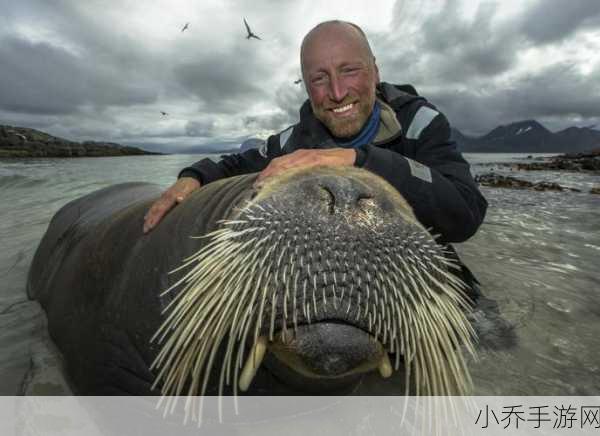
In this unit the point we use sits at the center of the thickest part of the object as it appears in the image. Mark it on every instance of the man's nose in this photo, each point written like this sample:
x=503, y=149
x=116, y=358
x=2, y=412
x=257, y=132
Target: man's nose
x=337, y=89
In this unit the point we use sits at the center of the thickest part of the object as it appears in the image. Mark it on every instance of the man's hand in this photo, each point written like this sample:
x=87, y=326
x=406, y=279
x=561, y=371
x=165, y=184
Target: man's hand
x=305, y=158
x=169, y=199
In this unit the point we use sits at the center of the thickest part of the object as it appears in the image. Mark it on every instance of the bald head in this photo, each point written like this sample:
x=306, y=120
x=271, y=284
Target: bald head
x=336, y=29
x=340, y=76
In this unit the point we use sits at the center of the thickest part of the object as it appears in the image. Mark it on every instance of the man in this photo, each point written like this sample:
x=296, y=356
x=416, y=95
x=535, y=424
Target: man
x=353, y=119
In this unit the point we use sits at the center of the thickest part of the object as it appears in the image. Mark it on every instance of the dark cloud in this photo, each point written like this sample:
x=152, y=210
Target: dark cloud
x=554, y=20
x=201, y=128
x=223, y=82
x=466, y=65
x=558, y=91
x=446, y=46
x=289, y=98
x=274, y=122
x=86, y=71
x=42, y=79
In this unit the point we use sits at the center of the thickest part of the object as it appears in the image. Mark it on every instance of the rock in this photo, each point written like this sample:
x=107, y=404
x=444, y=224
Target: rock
x=499, y=181
x=25, y=142
x=576, y=162
x=595, y=190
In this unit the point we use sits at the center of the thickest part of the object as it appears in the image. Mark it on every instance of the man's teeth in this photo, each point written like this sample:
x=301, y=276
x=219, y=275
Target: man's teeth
x=343, y=108
x=255, y=358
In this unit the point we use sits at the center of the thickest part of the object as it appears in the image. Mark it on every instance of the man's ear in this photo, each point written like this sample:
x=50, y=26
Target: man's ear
x=376, y=71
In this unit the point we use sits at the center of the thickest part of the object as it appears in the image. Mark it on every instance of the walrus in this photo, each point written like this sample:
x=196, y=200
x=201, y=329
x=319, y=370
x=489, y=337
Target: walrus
x=311, y=282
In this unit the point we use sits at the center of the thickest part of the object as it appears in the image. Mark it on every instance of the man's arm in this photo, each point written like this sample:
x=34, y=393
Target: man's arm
x=307, y=158
x=168, y=200
x=437, y=184
x=250, y=161
x=201, y=173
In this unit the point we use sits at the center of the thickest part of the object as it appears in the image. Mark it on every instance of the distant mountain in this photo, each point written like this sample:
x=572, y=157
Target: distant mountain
x=251, y=143
x=25, y=142
x=529, y=136
x=208, y=149
x=221, y=147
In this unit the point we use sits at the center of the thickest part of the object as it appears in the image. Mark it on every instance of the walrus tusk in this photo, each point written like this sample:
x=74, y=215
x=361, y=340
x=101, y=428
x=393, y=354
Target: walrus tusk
x=253, y=362
x=385, y=366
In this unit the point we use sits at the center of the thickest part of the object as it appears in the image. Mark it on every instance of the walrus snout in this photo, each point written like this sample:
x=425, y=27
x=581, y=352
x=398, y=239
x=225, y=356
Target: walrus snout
x=334, y=192
x=336, y=258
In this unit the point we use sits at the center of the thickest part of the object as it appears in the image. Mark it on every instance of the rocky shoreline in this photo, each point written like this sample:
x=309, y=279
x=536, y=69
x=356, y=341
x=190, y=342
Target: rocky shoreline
x=22, y=142
x=578, y=162
x=588, y=162
x=500, y=181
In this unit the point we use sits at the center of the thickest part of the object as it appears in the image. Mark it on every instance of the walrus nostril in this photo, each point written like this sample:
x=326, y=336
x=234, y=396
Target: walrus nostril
x=344, y=194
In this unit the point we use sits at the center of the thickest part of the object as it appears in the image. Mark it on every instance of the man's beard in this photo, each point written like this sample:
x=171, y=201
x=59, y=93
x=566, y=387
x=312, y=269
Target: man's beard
x=344, y=127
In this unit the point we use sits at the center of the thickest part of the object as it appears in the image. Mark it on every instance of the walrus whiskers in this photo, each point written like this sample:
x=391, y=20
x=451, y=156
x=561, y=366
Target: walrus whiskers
x=248, y=275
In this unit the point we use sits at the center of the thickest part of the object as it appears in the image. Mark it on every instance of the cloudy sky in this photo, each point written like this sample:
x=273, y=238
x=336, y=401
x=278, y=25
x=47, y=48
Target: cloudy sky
x=104, y=70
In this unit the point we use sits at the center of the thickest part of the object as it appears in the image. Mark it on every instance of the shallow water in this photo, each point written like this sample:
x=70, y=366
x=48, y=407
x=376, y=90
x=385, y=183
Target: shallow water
x=536, y=254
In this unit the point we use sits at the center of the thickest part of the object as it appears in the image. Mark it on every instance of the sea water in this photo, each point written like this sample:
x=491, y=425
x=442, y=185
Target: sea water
x=537, y=255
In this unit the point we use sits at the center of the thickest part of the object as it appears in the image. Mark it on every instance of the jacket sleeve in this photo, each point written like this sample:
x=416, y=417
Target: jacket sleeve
x=250, y=161
x=437, y=183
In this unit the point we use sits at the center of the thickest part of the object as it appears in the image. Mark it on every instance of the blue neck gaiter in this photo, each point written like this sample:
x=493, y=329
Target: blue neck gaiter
x=368, y=132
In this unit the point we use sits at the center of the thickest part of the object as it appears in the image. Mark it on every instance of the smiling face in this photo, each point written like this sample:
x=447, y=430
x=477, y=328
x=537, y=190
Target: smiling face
x=340, y=76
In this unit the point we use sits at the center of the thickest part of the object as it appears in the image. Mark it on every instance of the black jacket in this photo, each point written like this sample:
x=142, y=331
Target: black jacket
x=412, y=151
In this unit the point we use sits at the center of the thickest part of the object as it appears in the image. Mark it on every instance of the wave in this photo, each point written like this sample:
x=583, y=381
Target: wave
x=20, y=181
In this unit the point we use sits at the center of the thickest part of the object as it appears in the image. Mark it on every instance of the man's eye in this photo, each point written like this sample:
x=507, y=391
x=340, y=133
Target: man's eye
x=319, y=79
x=350, y=70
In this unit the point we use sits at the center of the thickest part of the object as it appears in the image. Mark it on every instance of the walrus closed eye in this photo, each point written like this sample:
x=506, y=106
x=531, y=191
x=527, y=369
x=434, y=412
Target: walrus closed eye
x=306, y=285
x=329, y=272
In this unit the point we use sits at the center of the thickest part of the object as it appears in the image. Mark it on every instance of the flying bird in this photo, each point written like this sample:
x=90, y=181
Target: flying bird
x=185, y=27
x=250, y=34
x=164, y=113
x=297, y=81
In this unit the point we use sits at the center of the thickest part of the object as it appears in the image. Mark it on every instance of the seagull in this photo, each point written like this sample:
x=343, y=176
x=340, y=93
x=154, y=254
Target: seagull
x=185, y=27
x=164, y=113
x=297, y=81
x=250, y=34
